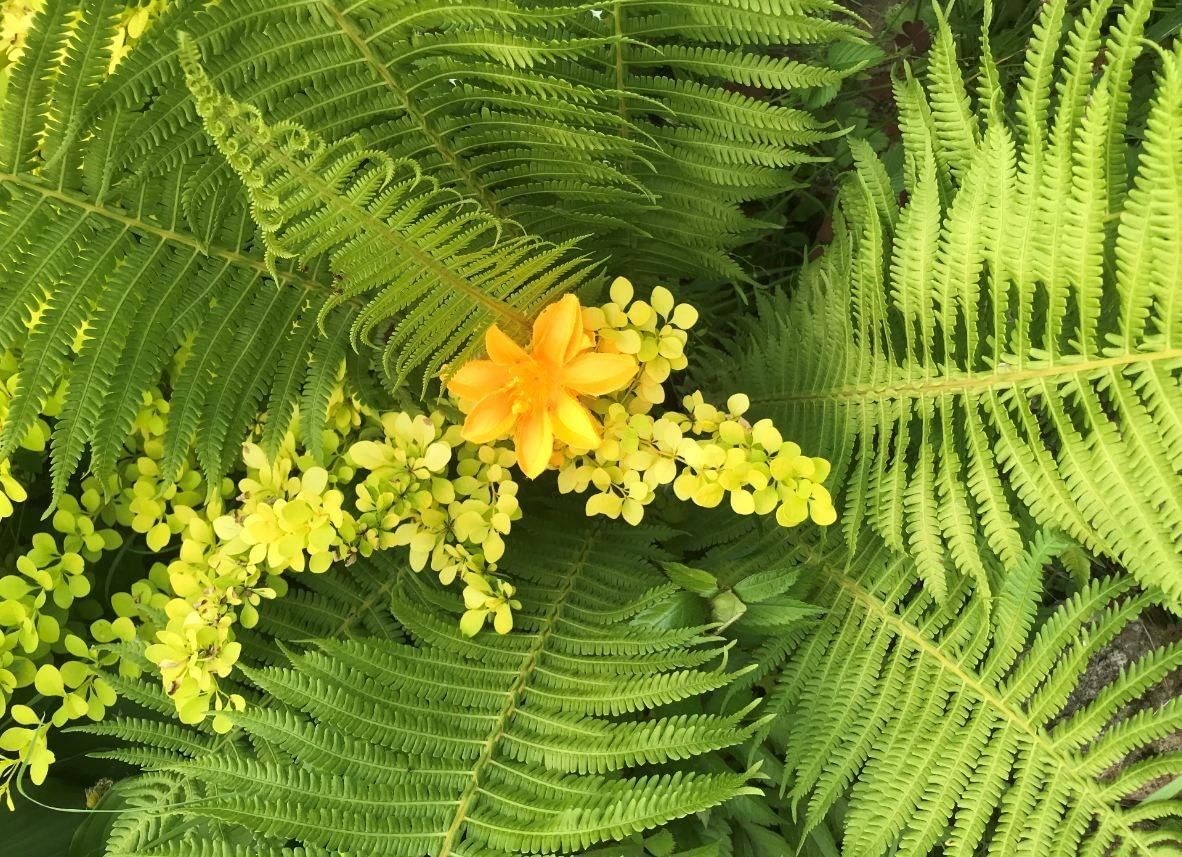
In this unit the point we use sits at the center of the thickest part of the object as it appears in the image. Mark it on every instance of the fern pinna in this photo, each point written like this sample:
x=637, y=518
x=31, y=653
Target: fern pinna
x=1005, y=347
x=576, y=729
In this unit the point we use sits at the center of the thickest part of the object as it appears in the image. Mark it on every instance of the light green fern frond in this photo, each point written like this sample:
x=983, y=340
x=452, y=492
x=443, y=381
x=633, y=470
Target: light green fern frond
x=956, y=729
x=577, y=728
x=1022, y=309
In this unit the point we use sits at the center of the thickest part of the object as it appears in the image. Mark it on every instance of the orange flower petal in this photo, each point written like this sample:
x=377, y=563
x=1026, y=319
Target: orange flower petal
x=534, y=442
x=477, y=378
x=492, y=418
x=558, y=330
x=594, y=374
x=573, y=424
x=501, y=349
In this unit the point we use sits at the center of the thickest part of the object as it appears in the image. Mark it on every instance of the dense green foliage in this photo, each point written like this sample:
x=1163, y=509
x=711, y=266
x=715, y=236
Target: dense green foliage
x=283, y=221
x=451, y=745
x=956, y=712
x=1003, y=349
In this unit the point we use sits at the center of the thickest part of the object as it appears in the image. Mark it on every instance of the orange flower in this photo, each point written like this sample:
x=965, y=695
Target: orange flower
x=534, y=394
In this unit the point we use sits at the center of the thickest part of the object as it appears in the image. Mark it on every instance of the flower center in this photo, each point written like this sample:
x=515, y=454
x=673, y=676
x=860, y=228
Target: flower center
x=535, y=384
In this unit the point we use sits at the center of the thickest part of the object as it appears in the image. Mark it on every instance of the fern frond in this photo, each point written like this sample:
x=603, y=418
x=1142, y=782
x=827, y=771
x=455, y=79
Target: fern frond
x=104, y=286
x=998, y=331
x=954, y=734
x=578, y=728
x=614, y=123
x=433, y=264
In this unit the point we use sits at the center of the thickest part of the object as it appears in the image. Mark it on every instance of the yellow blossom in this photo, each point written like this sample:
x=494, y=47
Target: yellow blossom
x=484, y=598
x=534, y=394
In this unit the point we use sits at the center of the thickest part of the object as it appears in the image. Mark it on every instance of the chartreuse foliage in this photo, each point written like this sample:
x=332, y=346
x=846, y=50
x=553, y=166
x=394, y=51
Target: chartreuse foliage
x=1004, y=349
x=575, y=729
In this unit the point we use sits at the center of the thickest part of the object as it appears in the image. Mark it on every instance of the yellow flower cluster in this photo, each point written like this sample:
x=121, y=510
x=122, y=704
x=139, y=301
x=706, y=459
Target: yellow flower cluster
x=41, y=632
x=28, y=743
x=707, y=455
x=655, y=332
x=451, y=517
x=77, y=688
x=579, y=400
x=725, y=456
x=609, y=440
x=132, y=23
x=388, y=480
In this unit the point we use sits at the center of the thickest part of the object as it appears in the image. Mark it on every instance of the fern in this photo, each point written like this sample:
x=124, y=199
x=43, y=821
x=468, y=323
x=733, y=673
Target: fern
x=618, y=121
x=956, y=728
x=562, y=735
x=141, y=270
x=1020, y=310
x=432, y=263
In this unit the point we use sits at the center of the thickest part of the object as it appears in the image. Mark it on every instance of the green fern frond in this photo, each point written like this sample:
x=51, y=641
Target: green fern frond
x=1023, y=311
x=145, y=820
x=408, y=250
x=350, y=602
x=954, y=734
x=578, y=728
x=614, y=122
x=105, y=285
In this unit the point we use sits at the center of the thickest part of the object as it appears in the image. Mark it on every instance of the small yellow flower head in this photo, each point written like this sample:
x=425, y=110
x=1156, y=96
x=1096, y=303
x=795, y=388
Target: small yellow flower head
x=485, y=598
x=189, y=654
x=655, y=332
x=535, y=394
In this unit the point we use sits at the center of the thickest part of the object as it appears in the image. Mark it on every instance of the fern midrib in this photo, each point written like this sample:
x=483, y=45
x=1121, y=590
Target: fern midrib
x=147, y=227
x=475, y=188
x=1014, y=716
x=513, y=696
x=971, y=382
x=618, y=28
